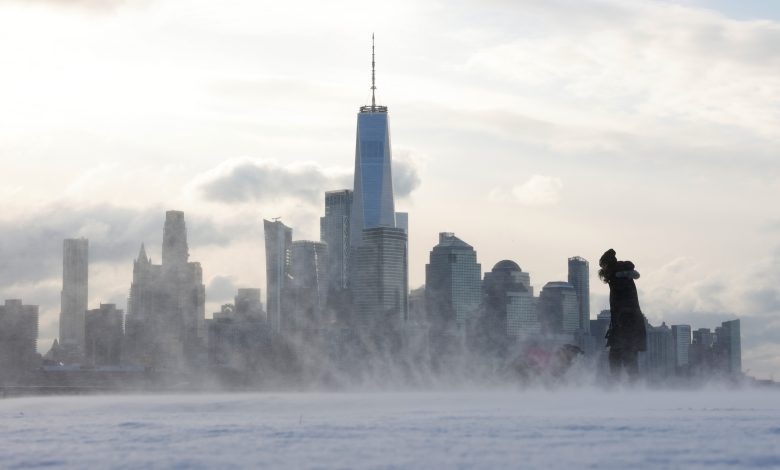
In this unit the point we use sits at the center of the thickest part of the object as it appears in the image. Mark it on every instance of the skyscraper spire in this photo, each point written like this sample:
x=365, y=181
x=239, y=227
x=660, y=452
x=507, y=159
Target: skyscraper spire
x=373, y=75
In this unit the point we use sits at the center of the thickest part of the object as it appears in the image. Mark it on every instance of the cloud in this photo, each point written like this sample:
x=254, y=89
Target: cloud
x=537, y=191
x=244, y=180
x=31, y=246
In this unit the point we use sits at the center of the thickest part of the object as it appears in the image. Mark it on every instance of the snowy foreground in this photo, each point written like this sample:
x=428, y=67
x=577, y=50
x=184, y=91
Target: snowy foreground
x=517, y=429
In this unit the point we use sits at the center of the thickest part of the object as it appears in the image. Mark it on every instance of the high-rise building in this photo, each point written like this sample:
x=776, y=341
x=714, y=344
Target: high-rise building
x=104, y=334
x=165, y=324
x=334, y=230
x=73, y=300
x=681, y=334
x=508, y=310
x=579, y=279
x=379, y=283
x=373, y=204
x=452, y=285
x=558, y=308
x=18, y=338
x=729, y=347
x=308, y=286
x=278, y=254
x=658, y=360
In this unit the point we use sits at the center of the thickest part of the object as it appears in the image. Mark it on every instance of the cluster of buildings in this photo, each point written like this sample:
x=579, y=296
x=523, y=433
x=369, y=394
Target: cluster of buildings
x=338, y=302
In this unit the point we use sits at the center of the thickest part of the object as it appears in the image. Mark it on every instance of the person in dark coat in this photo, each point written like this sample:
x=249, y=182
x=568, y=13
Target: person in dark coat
x=627, y=334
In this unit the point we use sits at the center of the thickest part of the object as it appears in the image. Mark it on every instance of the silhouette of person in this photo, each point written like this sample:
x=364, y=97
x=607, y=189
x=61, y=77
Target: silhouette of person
x=627, y=334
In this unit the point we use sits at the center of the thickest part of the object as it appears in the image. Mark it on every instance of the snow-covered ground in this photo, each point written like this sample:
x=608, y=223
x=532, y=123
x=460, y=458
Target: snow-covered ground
x=574, y=428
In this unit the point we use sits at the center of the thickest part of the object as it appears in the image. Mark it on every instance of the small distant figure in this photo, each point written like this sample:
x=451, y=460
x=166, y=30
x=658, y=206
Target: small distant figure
x=626, y=335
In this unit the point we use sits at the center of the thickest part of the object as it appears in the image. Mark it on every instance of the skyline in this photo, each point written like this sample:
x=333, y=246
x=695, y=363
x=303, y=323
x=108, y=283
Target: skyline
x=539, y=195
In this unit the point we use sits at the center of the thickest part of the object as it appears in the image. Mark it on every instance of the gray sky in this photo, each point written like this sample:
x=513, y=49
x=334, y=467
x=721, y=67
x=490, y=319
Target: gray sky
x=535, y=130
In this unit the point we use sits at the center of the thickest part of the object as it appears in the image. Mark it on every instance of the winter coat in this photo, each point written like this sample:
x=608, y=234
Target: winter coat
x=627, y=324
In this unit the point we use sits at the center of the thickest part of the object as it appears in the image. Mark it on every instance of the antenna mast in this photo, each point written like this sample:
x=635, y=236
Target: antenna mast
x=373, y=76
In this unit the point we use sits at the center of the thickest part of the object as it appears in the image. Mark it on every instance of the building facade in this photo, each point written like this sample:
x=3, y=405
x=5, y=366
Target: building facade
x=165, y=324
x=379, y=282
x=104, y=333
x=579, y=278
x=73, y=300
x=18, y=338
x=453, y=286
x=335, y=232
x=278, y=257
x=681, y=335
x=504, y=313
x=559, y=311
x=308, y=286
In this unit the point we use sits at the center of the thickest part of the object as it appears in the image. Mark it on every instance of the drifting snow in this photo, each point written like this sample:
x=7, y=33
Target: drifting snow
x=571, y=429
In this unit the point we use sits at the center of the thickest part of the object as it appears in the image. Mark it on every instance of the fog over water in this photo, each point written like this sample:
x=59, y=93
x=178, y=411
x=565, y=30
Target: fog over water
x=577, y=427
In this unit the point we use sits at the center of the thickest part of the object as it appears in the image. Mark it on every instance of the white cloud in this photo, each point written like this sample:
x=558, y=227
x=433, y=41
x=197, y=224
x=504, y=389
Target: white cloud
x=538, y=190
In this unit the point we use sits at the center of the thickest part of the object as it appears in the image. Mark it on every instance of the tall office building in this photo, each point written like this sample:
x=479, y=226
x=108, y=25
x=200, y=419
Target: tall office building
x=373, y=204
x=381, y=290
x=508, y=307
x=559, y=309
x=104, y=334
x=18, y=338
x=658, y=361
x=308, y=286
x=73, y=300
x=165, y=323
x=278, y=254
x=579, y=279
x=729, y=347
x=334, y=230
x=452, y=285
x=681, y=335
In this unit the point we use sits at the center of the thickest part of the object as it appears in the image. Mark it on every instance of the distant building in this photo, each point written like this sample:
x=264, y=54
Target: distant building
x=308, y=286
x=18, y=338
x=165, y=324
x=681, y=334
x=278, y=257
x=248, y=303
x=658, y=361
x=239, y=338
x=104, y=335
x=558, y=308
x=507, y=309
x=729, y=347
x=579, y=278
x=334, y=231
x=452, y=285
x=379, y=281
x=73, y=300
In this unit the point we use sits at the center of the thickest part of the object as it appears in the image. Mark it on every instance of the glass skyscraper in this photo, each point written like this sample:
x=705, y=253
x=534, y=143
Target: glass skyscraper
x=380, y=285
x=453, y=285
x=75, y=269
x=278, y=254
x=373, y=204
x=578, y=278
x=334, y=230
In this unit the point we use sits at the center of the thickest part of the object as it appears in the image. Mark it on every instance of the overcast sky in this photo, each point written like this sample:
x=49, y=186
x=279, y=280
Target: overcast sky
x=534, y=130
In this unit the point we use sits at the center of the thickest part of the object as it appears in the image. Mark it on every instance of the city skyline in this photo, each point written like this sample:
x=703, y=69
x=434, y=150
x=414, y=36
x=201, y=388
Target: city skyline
x=697, y=276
